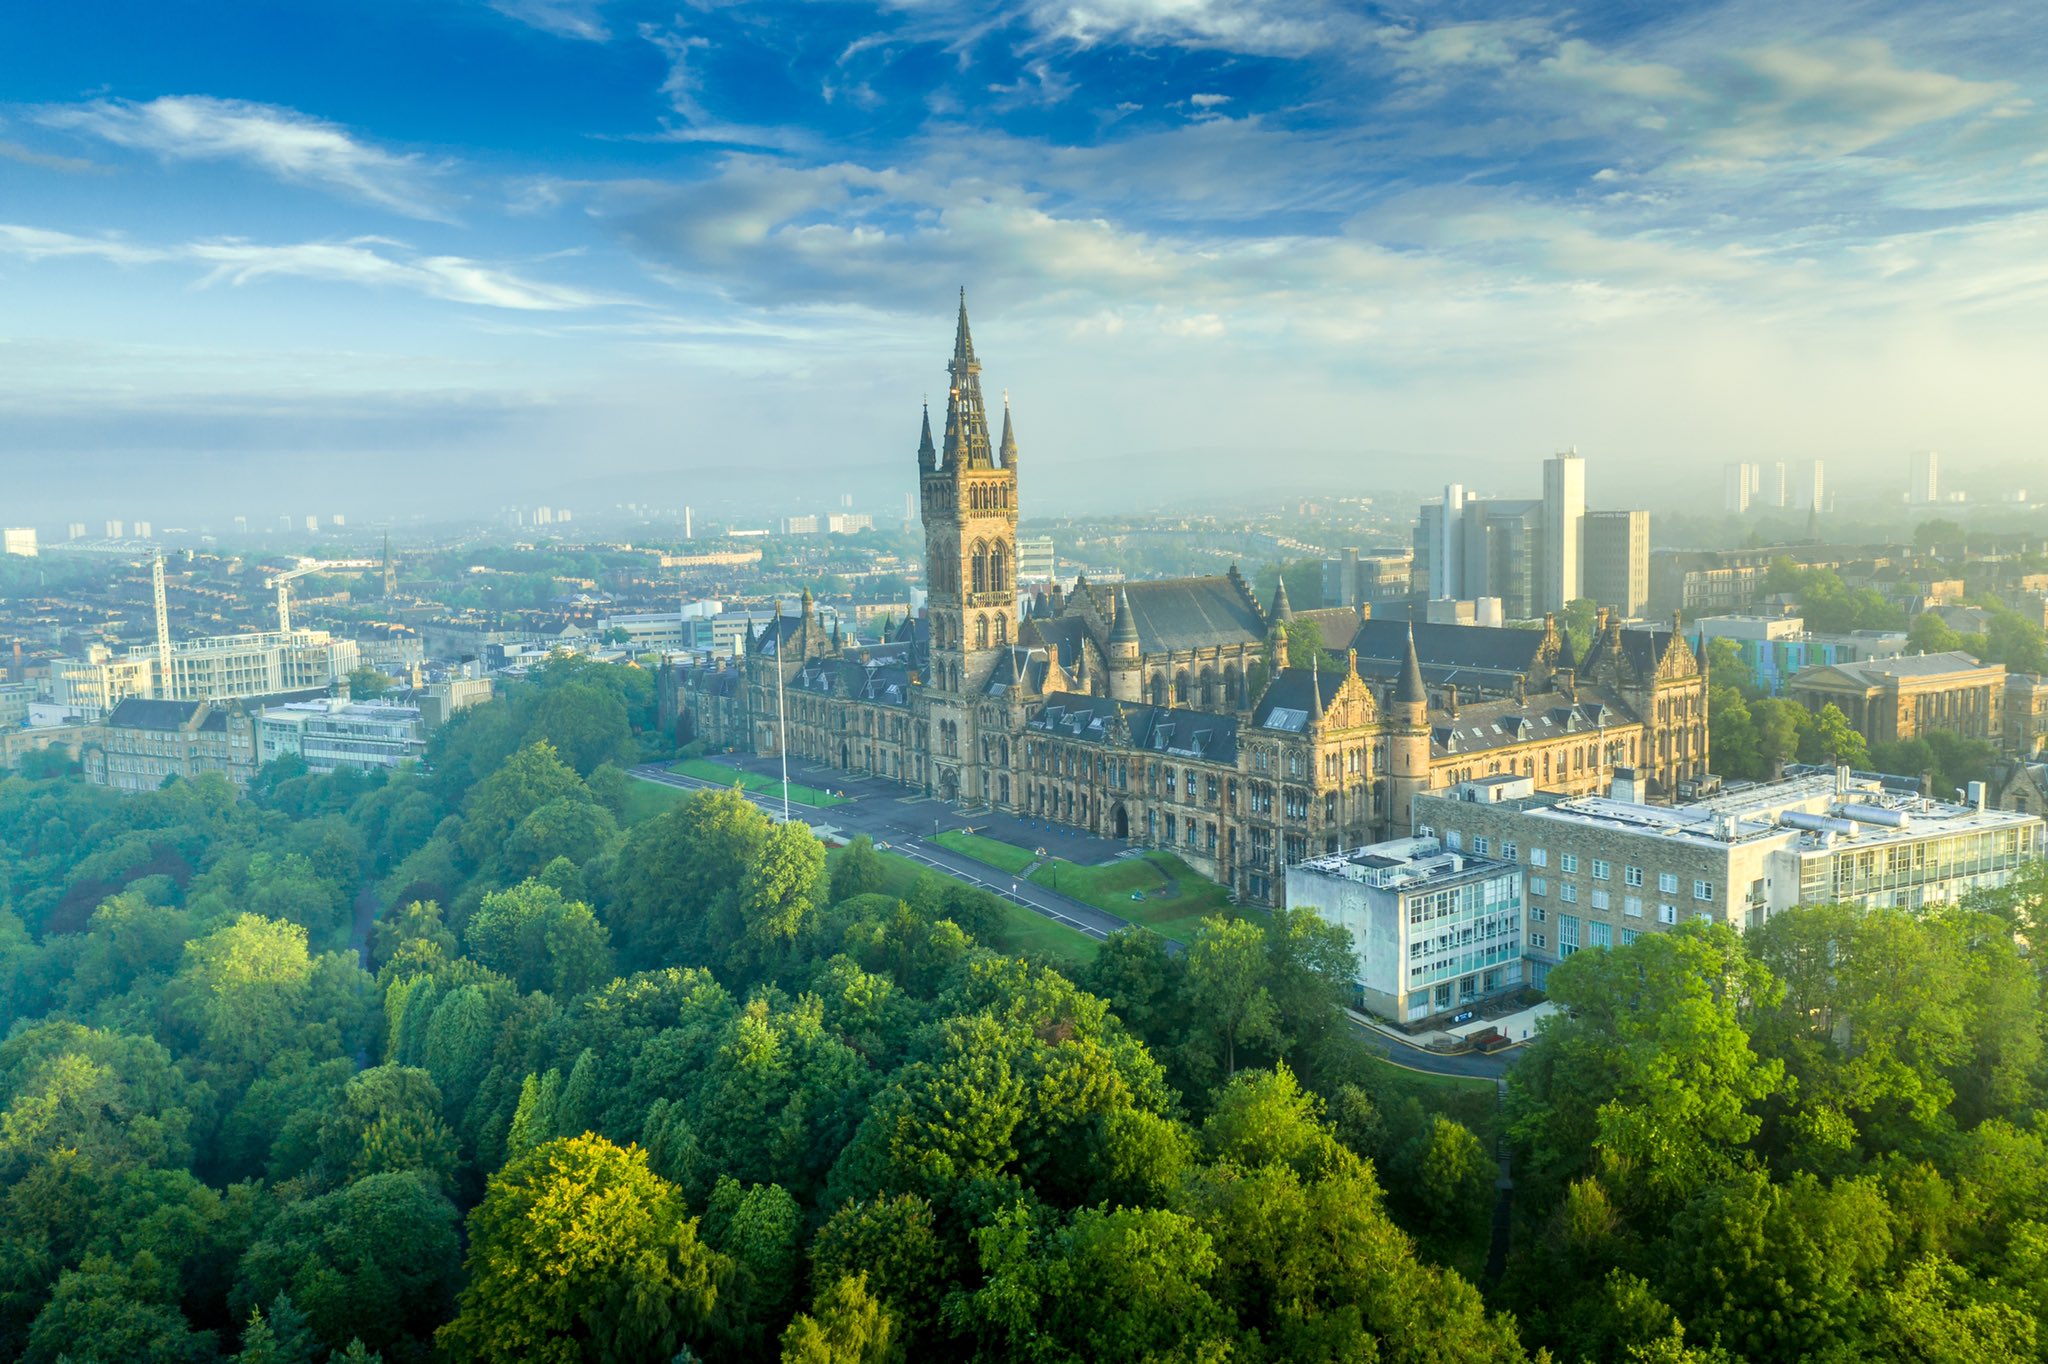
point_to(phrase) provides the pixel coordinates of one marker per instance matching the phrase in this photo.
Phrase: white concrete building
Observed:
(1435, 930)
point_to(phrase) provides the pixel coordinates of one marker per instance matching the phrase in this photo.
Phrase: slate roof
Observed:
(1193, 613)
(1157, 729)
(143, 713)
(1494, 648)
(1295, 695)
(1644, 650)
(1064, 636)
(1020, 665)
(1500, 724)
(886, 683)
(1338, 623)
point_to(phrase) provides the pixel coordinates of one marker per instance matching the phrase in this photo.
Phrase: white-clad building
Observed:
(1434, 930)
(331, 733)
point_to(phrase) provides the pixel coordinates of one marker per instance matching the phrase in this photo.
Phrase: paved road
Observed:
(889, 814)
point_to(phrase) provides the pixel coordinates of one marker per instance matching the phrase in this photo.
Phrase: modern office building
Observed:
(1810, 492)
(1036, 560)
(332, 733)
(1564, 513)
(1602, 869)
(1362, 579)
(1617, 560)
(1432, 930)
(19, 540)
(1923, 477)
(1738, 487)
(1777, 648)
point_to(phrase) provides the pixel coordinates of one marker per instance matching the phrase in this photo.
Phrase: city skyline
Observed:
(463, 242)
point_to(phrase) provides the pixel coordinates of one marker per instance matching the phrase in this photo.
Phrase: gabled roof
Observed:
(1541, 715)
(1064, 637)
(1193, 613)
(1295, 696)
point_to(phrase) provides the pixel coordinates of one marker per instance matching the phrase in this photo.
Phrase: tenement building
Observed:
(1164, 712)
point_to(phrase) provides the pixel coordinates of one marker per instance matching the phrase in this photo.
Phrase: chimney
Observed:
(1600, 621)
(1451, 699)
(1568, 683)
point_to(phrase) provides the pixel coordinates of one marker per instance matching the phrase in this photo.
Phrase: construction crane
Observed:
(282, 582)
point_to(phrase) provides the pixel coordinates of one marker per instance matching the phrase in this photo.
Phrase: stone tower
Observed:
(1407, 717)
(969, 490)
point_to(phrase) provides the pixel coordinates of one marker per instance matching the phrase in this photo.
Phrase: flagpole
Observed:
(782, 719)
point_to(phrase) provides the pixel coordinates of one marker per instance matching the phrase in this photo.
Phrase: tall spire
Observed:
(1008, 450)
(927, 454)
(1409, 690)
(967, 443)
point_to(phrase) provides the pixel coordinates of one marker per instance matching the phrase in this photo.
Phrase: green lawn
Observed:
(1110, 886)
(1025, 933)
(1003, 856)
(646, 799)
(706, 770)
(1475, 1103)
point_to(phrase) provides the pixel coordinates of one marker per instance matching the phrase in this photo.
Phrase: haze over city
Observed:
(572, 248)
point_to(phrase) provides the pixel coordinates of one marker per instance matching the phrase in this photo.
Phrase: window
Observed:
(1603, 870)
(1632, 906)
(1628, 935)
(1667, 914)
(1600, 900)
(1539, 886)
(1599, 935)
(1567, 935)
(1538, 914)
(1667, 881)
(1538, 940)
(1568, 893)
(1632, 876)
(1539, 857)
(1568, 862)
(1703, 890)
(1509, 851)
(1453, 839)
(1482, 845)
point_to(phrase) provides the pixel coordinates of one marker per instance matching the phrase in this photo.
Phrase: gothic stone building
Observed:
(1162, 712)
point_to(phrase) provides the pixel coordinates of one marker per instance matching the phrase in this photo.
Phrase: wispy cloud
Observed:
(369, 261)
(28, 156)
(564, 18)
(283, 142)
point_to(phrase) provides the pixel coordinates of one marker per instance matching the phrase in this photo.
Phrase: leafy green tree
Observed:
(1834, 740)
(529, 779)
(386, 1119)
(1451, 1179)
(241, 989)
(1227, 968)
(278, 1336)
(580, 1252)
(780, 894)
(680, 876)
(1647, 1071)
(895, 1245)
(540, 940)
(849, 1327)
(858, 870)
(376, 1260)
(105, 1312)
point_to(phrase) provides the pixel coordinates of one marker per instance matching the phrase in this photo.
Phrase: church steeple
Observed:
(967, 443)
(927, 454)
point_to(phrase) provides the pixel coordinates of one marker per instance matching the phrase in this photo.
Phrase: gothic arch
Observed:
(1158, 689)
(980, 562)
(1209, 697)
(1180, 687)
(981, 632)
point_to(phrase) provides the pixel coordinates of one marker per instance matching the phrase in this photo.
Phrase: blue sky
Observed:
(568, 247)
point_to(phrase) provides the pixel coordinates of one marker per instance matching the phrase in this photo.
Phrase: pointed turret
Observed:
(967, 444)
(1409, 690)
(927, 453)
(1280, 609)
(1007, 452)
(1125, 683)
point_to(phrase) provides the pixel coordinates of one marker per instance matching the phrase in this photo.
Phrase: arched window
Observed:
(1209, 688)
(981, 632)
(1180, 687)
(980, 567)
(1002, 629)
(999, 569)
(1158, 689)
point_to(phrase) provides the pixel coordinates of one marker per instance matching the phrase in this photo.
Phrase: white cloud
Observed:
(288, 144)
(565, 18)
(369, 261)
